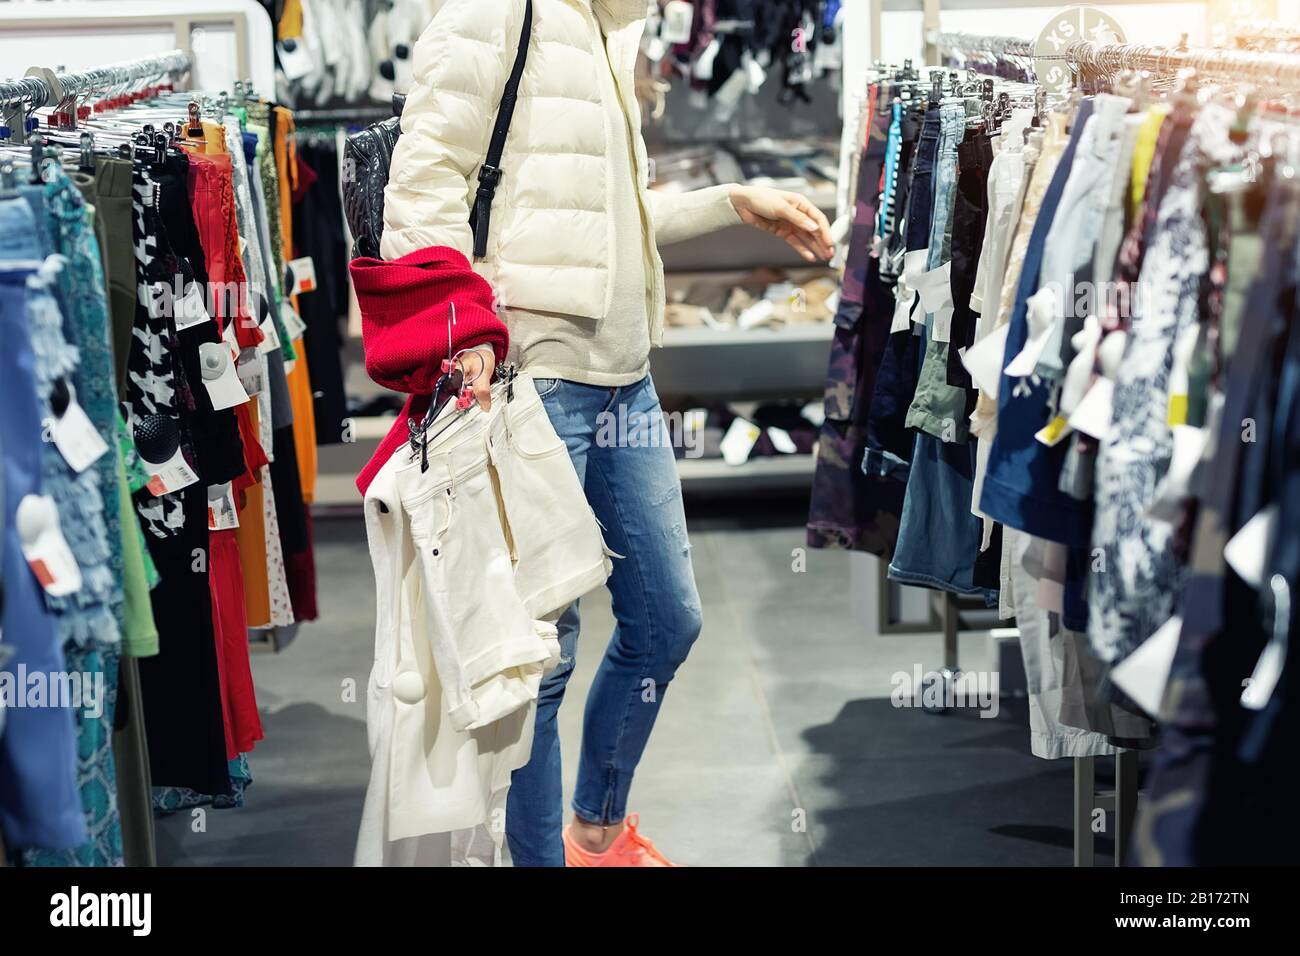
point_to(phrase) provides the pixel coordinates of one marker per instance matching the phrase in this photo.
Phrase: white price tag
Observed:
(1247, 551)
(192, 310)
(294, 326)
(75, 436)
(942, 329)
(251, 371)
(739, 441)
(304, 275)
(1144, 673)
(44, 546)
(782, 441)
(679, 17)
(270, 336)
(1092, 417)
(171, 475)
(222, 512)
(296, 62)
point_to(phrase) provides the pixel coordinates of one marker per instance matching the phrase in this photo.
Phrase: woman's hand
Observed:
(787, 215)
(478, 364)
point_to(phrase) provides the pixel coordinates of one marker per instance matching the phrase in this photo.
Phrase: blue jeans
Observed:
(630, 477)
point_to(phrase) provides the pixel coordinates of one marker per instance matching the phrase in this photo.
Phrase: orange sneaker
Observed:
(629, 848)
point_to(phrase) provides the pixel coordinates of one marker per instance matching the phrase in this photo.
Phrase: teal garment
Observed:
(85, 620)
(173, 799)
(84, 300)
(96, 769)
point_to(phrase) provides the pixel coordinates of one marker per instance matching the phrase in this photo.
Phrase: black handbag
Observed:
(368, 156)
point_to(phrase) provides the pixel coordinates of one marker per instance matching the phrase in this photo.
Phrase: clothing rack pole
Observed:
(1265, 67)
(43, 87)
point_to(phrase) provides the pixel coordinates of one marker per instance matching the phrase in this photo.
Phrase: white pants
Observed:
(469, 553)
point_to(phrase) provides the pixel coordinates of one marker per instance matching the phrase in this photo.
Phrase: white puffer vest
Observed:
(551, 239)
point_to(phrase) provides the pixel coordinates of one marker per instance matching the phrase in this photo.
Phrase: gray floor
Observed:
(777, 745)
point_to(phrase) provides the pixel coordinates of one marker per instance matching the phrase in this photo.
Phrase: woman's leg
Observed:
(633, 486)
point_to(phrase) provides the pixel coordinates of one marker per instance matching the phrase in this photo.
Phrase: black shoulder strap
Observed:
(489, 175)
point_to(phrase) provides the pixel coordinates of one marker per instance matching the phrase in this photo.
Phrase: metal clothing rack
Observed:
(190, 23)
(41, 87)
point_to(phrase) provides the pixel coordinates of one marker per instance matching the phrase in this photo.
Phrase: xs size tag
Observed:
(44, 546)
(304, 275)
(171, 475)
(739, 441)
(76, 438)
(1054, 432)
(222, 513)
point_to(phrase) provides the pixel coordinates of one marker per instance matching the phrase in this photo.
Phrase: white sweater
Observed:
(572, 209)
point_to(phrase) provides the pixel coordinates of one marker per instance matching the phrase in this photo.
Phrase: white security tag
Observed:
(220, 377)
(44, 546)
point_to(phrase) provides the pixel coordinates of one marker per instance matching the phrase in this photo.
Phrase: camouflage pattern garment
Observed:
(850, 510)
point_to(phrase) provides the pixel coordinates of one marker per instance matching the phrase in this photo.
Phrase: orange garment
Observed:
(299, 377)
(252, 545)
(290, 25)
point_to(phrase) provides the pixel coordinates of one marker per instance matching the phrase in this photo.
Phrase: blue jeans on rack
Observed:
(941, 479)
(632, 486)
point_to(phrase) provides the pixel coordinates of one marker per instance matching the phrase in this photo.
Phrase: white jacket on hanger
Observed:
(551, 241)
(469, 555)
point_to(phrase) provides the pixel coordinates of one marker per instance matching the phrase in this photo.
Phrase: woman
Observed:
(572, 257)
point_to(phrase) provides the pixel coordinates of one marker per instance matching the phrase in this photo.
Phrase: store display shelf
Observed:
(702, 337)
(713, 475)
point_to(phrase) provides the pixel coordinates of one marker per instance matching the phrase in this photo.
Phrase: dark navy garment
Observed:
(889, 442)
(1021, 486)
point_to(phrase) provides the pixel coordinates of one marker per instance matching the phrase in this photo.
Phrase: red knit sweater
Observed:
(405, 325)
